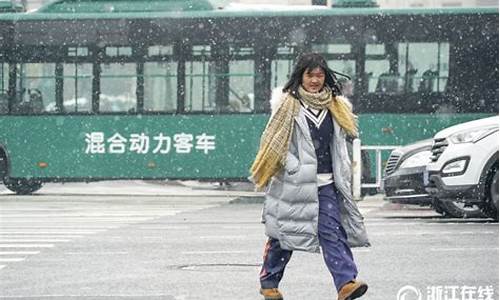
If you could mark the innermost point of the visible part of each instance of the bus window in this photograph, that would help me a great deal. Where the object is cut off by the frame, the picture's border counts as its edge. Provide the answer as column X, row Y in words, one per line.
column 36, row 85
column 221, row 82
column 200, row 81
column 281, row 71
column 4, row 76
column 381, row 78
column 160, row 86
column 118, row 87
column 241, row 80
column 347, row 67
column 77, row 96
column 443, row 66
column 4, row 84
column 425, row 66
column 332, row 48
column 282, row 67
column 340, row 58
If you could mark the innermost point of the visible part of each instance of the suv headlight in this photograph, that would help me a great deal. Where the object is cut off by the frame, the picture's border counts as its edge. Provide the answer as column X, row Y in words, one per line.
column 418, row 159
column 472, row 136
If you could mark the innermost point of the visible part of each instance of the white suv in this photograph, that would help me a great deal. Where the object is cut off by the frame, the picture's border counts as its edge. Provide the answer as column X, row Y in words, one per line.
column 464, row 166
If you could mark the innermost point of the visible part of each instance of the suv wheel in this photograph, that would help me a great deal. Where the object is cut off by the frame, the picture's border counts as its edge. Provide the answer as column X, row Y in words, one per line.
column 491, row 208
column 459, row 209
column 456, row 209
column 437, row 206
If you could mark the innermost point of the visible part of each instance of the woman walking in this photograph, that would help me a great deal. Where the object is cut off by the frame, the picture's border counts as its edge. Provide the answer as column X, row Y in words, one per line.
column 304, row 167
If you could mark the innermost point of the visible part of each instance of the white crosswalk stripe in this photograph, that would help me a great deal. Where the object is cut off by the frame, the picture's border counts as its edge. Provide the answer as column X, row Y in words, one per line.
column 26, row 245
column 19, row 252
column 24, row 230
column 30, row 226
column 12, row 259
column 36, row 236
column 49, row 232
column 33, row 240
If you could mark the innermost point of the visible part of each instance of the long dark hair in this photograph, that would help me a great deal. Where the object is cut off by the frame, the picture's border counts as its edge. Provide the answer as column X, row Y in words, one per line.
column 309, row 62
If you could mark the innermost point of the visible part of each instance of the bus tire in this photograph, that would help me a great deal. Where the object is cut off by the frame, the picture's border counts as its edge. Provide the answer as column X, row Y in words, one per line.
column 22, row 186
column 3, row 165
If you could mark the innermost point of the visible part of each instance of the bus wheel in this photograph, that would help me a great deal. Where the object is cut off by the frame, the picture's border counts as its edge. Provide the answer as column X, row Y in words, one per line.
column 22, row 186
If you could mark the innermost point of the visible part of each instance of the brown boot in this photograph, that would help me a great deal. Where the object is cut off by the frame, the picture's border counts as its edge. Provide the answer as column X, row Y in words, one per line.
column 352, row 290
column 271, row 294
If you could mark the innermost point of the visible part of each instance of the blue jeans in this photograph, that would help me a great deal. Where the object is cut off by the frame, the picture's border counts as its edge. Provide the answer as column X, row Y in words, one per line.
column 332, row 239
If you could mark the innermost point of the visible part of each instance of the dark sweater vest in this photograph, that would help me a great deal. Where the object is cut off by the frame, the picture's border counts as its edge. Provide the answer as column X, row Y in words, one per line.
column 321, row 128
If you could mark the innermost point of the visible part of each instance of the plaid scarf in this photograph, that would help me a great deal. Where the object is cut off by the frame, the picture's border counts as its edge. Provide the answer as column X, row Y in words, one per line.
column 276, row 137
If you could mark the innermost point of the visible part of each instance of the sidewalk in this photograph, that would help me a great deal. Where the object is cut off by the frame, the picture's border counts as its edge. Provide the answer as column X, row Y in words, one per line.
column 237, row 192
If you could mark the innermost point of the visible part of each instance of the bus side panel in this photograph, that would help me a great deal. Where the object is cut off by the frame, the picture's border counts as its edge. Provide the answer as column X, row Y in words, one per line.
column 189, row 146
column 112, row 147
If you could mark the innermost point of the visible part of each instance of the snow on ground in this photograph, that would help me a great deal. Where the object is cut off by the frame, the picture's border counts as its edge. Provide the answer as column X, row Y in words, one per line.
column 140, row 187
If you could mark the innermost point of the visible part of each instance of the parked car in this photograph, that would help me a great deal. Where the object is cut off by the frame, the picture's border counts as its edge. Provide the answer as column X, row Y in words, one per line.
column 404, row 180
column 464, row 167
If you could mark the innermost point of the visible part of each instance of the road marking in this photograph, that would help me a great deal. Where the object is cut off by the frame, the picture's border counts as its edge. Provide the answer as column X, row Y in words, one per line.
column 97, row 215
column 98, row 253
column 2, row 266
column 11, row 259
column 361, row 250
column 78, row 218
column 427, row 222
column 66, row 221
column 33, row 240
column 19, row 252
column 464, row 249
column 34, row 236
column 85, row 296
column 153, row 209
column 437, row 232
column 26, row 245
column 182, row 227
column 217, row 252
column 453, row 222
column 239, row 237
column 96, row 227
column 246, row 226
column 50, row 232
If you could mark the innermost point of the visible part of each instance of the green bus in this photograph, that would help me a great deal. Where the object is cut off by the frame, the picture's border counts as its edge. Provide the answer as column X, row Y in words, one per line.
column 171, row 89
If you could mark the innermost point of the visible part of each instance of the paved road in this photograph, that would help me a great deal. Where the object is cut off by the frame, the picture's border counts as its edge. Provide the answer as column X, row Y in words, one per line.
column 198, row 247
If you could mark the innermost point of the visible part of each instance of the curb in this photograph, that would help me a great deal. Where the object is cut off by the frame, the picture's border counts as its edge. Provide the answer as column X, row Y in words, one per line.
column 248, row 200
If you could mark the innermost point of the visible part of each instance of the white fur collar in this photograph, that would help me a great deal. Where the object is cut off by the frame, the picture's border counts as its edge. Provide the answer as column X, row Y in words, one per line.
column 277, row 96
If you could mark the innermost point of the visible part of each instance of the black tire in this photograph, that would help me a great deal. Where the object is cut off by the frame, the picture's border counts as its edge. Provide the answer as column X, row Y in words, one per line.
column 3, row 166
column 438, row 207
column 457, row 209
column 22, row 186
column 491, row 206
